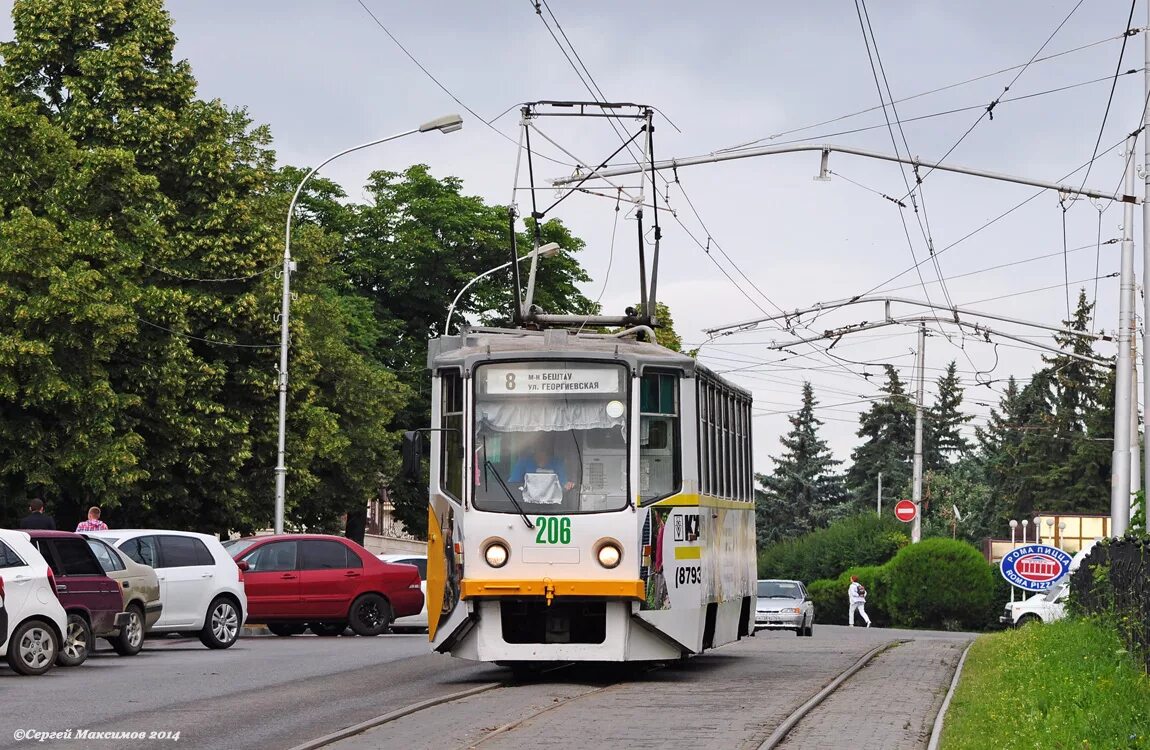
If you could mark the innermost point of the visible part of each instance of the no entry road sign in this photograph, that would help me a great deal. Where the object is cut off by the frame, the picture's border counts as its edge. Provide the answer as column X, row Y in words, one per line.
column 905, row 511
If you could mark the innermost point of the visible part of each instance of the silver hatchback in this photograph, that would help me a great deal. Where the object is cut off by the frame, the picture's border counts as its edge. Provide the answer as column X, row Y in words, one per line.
column 784, row 605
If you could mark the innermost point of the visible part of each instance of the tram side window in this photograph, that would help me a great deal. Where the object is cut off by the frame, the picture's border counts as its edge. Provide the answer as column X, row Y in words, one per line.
column 659, row 464
column 451, row 456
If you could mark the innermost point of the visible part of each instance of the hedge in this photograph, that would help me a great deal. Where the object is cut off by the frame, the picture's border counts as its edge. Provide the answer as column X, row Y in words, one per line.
column 937, row 583
column 866, row 539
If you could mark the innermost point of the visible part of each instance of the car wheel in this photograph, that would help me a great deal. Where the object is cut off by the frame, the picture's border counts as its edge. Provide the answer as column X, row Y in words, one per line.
column 131, row 637
column 285, row 628
column 327, row 629
column 370, row 615
column 77, row 641
column 1028, row 617
column 222, row 625
column 811, row 629
column 32, row 648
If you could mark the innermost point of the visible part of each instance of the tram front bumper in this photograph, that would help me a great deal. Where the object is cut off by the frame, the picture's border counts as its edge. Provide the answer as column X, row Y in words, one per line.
column 547, row 588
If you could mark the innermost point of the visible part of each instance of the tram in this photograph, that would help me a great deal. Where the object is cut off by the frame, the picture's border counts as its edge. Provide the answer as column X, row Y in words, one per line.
column 591, row 499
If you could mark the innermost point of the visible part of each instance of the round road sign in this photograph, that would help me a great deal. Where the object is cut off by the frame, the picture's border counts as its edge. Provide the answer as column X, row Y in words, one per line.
column 905, row 511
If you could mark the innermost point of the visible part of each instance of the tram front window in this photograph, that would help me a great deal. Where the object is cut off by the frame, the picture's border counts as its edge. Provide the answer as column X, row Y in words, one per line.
column 550, row 437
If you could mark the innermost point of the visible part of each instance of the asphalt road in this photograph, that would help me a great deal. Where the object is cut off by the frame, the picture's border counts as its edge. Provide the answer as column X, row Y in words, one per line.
column 262, row 692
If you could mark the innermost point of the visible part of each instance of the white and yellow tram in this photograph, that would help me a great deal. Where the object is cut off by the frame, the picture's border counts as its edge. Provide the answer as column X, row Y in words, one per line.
column 590, row 500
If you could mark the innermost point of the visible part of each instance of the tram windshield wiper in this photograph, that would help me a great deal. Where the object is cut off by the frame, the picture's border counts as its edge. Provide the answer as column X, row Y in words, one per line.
column 510, row 495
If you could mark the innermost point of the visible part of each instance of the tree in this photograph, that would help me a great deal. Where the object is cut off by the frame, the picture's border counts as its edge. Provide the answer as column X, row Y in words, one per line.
column 408, row 251
column 888, row 430
column 942, row 439
column 162, row 213
column 803, row 492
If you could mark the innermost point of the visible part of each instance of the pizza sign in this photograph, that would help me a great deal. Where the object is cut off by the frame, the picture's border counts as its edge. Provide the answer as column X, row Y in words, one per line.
column 1034, row 566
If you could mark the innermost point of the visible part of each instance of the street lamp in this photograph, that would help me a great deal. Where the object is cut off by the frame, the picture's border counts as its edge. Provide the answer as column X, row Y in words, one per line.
column 545, row 251
column 445, row 124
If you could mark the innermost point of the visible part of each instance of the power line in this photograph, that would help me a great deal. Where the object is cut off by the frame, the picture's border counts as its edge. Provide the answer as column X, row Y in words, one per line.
column 448, row 91
column 1110, row 99
column 940, row 89
column 989, row 111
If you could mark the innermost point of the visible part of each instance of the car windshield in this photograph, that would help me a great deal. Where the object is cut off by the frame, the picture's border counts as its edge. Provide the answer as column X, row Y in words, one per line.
column 779, row 590
column 1057, row 590
column 236, row 546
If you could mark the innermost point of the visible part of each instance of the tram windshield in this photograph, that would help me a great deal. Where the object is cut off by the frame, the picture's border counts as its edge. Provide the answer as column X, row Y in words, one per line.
column 550, row 437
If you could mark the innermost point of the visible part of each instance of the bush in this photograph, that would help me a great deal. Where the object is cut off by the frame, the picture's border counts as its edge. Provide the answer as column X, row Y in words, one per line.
column 1113, row 582
column 866, row 539
column 940, row 583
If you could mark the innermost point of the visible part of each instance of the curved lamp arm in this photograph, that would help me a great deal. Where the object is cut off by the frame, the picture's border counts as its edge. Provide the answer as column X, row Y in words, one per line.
column 545, row 251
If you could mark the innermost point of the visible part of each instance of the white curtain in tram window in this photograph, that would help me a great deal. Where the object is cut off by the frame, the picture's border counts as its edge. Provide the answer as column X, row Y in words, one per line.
column 517, row 416
column 542, row 488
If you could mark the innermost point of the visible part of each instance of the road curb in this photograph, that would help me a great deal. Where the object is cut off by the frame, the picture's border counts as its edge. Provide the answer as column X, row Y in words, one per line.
column 255, row 630
column 936, row 731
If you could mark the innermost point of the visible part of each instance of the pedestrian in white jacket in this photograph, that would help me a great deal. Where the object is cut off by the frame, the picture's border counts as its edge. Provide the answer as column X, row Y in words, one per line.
column 857, row 596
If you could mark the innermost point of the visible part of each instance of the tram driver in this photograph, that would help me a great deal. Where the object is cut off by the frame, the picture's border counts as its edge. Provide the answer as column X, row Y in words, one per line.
column 541, row 474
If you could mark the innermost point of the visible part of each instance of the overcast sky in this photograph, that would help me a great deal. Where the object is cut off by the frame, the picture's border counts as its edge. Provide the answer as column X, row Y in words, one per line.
column 325, row 76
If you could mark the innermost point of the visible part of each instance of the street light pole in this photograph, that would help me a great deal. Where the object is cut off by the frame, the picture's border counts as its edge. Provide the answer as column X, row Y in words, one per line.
column 546, row 251
column 446, row 124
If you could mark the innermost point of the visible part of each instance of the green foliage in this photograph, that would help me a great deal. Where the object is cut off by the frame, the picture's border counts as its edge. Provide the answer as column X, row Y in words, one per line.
column 887, row 429
column 803, row 492
column 866, row 539
column 943, row 441
column 961, row 486
column 1061, row 685
column 138, row 360
column 940, row 583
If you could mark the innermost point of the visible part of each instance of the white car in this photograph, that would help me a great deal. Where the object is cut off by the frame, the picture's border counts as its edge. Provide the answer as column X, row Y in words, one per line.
column 36, row 620
column 201, row 589
column 420, row 562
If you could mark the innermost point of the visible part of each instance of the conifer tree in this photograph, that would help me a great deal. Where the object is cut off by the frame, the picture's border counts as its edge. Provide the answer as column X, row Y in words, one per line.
column 803, row 491
column 888, row 432
column 943, row 441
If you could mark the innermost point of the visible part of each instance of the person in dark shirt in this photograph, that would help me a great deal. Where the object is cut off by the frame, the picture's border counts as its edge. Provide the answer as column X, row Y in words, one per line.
column 37, row 518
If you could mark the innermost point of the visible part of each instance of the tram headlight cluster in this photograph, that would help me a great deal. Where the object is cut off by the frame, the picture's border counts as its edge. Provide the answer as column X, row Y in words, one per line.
column 609, row 554
column 496, row 554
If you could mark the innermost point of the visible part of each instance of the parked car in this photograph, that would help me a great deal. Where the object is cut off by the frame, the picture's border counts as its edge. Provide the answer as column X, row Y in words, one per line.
column 784, row 605
column 140, row 591
column 36, row 621
column 418, row 621
column 201, row 588
column 92, row 600
column 324, row 583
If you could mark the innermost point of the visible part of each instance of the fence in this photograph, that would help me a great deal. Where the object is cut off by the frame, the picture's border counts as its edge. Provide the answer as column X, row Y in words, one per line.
column 1114, row 580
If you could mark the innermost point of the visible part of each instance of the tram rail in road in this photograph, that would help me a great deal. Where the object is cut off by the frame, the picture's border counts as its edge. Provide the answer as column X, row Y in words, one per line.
column 884, row 686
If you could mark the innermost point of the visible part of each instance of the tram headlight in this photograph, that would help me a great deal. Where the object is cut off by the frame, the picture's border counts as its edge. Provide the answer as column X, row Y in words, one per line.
column 609, row 555
column 496, row 554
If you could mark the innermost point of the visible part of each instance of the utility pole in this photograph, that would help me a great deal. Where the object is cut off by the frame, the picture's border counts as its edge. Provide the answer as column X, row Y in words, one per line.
column 1146, row 259
column 1120, row 468
column 1135, row 448
column 878, row 507
column 916, row 530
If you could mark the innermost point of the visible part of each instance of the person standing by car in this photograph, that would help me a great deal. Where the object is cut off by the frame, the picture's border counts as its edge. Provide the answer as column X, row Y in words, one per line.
column 857, row 596
column 37, row 518
column 93, row 523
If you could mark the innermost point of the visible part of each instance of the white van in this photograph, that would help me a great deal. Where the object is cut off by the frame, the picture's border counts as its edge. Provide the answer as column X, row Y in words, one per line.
column 1049, row 605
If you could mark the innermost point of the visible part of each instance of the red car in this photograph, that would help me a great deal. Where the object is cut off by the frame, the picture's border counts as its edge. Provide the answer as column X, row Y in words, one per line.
column 325, row 583
column 93, row 601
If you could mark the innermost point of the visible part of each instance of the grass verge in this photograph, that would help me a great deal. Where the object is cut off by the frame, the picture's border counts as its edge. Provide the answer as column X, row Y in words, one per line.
column 1068, row 684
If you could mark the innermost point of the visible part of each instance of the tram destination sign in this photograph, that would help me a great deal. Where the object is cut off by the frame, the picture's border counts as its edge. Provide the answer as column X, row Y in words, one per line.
column 543, row 381
column 1034, row 567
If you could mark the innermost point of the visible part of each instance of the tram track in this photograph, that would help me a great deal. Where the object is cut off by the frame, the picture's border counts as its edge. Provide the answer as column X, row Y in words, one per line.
column 392, row 716
column 780, row 734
